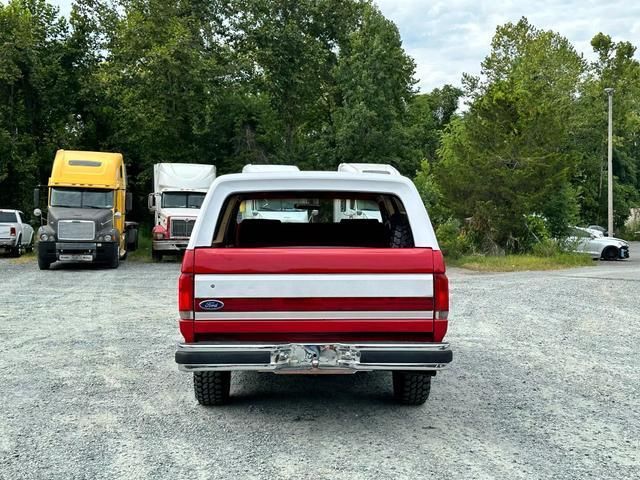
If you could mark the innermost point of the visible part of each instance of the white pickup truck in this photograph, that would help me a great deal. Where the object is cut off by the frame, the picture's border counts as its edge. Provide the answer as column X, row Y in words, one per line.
column 16, row 236
column 179, row 189
column 327, row 296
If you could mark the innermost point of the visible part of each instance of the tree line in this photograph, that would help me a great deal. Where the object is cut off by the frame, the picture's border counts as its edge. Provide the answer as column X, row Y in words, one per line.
column 315, row 83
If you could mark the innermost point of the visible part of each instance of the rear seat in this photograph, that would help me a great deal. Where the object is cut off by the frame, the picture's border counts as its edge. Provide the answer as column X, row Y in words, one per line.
column 273, row 233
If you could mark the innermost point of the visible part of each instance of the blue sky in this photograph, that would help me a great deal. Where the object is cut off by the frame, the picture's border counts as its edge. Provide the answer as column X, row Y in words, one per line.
column 447, row 38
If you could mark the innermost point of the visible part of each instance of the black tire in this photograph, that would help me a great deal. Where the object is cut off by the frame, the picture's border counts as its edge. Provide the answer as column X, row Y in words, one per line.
column 17, row 250
column 411, row 388
column 610, row 253
column 43, row 262
column 156, row 256
column 401, row 236
column 114, row 259
column 212, row 388
column 132, row 239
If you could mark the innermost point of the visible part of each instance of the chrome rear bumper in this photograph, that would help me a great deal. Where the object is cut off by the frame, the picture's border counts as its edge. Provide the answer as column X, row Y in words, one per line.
column 313, row 358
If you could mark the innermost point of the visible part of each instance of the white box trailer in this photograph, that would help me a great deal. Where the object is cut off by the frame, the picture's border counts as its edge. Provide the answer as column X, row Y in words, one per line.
column 274, row 209
column 178, row 192
column 359, row 209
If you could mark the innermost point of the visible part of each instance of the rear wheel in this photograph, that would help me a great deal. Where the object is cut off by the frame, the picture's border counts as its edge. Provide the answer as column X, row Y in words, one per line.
column 212, row 388
column 17, row 250
column 132, row 239
column 610, row 253
column 411, row 388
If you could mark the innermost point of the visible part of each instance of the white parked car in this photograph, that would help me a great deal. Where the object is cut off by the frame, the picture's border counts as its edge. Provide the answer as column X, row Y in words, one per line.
column 585, row 240
column 16, row 236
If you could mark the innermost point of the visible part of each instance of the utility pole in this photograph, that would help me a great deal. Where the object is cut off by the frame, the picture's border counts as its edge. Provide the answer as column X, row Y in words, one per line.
column 610, row 165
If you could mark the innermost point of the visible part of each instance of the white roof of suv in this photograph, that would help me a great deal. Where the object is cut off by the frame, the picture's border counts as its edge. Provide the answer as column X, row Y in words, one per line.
column 227, row 185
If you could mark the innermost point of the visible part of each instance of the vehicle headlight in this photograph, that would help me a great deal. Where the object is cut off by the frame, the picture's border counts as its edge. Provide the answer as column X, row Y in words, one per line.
column 44, row 237
column 107, row 238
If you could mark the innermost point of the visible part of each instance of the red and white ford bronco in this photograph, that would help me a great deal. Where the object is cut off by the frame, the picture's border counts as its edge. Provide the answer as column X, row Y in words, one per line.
column 264, row 288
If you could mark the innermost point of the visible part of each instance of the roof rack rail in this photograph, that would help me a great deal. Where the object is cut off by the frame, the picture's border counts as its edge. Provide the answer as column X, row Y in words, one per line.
column 267, row 168
column 368, row 168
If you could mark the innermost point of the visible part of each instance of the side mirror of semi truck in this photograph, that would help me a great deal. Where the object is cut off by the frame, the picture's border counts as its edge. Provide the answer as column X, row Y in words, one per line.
column 151, row 202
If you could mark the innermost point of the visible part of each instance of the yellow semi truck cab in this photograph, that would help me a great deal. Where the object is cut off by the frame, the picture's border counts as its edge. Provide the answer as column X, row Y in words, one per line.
column 87, row 201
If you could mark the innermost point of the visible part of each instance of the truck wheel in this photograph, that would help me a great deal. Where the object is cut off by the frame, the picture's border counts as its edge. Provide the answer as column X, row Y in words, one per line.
column 17, row 250
column 114, row 260
column 156, row 256
column 43, row 261
column 212, row 388
column 132, row 239
column 401, row 236
column 411, row 388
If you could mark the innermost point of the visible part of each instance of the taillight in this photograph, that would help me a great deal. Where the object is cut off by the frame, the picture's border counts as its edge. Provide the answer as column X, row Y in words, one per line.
column 185, row 296
column 12, row 231
column 441, row 296
column 185, row 287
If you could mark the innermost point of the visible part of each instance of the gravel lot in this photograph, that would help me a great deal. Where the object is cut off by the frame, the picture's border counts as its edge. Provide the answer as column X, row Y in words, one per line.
column 545, row 384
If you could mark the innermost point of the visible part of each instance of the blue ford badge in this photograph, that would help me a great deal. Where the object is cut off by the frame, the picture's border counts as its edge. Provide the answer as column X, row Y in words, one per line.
column 211, row 305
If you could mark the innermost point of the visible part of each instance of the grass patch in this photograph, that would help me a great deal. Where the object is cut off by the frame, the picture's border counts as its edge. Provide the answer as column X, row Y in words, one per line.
column 518, row 263
column 143, row 252
column 24, row 258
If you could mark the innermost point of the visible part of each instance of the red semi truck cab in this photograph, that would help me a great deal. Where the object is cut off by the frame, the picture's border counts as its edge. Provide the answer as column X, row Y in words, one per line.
column 332, row 294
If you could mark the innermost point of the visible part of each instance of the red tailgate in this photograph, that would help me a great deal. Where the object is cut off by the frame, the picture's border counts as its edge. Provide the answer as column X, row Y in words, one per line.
column 334, row 292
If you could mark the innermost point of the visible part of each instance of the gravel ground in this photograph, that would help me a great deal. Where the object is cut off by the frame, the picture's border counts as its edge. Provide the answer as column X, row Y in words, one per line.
column 545, row 384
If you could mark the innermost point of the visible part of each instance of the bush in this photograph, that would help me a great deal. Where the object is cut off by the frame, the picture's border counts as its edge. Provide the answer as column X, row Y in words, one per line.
column 547, row 248
column 631, row 231
column 536, row 233
column 453, row 240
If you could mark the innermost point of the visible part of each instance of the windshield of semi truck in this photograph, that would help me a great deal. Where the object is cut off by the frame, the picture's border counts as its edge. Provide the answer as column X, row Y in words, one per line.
column 367, row 205
column 82, row 198
column 276, row 205
column 182, row 200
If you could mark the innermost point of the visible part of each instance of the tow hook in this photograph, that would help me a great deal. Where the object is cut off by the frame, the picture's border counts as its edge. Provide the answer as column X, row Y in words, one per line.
column 315, row 355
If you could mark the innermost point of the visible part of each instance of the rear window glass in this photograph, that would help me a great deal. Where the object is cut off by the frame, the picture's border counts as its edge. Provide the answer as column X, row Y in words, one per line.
column 8, row 217
column 313, row 219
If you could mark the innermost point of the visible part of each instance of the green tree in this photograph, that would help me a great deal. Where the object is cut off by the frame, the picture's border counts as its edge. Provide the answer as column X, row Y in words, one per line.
column 510, row 155
column 375, row 84
column 616, row 68
column 36, row 90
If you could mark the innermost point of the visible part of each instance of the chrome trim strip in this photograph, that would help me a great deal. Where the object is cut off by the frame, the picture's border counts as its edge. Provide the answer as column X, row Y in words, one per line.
column 321, row 285
column 321, row 315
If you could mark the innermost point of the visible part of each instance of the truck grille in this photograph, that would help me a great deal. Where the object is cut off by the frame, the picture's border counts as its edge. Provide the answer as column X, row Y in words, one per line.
column 76, row 230
column 182, row 227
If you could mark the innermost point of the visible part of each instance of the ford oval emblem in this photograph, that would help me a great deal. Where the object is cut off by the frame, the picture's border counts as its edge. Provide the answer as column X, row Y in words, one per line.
column 211, row 305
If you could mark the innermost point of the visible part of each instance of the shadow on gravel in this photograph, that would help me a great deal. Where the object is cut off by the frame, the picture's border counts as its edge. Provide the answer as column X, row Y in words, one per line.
column 98, row 266
column 343, row 391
